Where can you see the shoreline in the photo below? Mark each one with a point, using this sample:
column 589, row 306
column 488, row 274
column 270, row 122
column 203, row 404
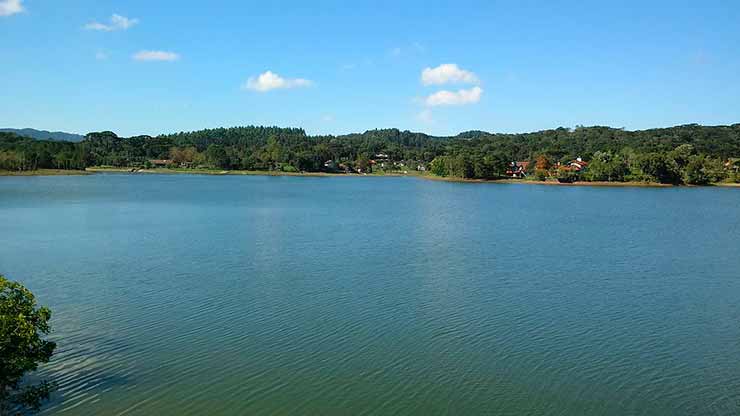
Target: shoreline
column 556, row 183
column 216, row 172
column 44, row 172
column 220, row 172
column 630, row 184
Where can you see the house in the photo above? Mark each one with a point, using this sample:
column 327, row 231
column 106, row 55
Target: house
column 517, row 169
column 578, row 165
column 161, row 163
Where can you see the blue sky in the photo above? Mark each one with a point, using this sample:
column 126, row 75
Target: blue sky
column 348, row 66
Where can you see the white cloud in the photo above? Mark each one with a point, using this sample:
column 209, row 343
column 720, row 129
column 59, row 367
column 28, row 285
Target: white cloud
column 396, row 51
column 447, row 73
column 10, row 7
column 459, row 97
column 269, row 80
column 155, row 56
column 101, row 55
column 117, row 22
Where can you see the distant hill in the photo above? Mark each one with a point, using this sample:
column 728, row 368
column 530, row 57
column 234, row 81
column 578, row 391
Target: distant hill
column 46, row 135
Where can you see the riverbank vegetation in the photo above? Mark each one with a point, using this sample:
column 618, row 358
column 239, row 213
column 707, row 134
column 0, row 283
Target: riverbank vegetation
column 42, row 172
column 23, row 327
column 690, row 154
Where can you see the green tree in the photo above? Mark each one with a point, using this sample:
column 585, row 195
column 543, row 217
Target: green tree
column 275, row 152
column 439, row 166
column 483, row 168
column 696, row 171
column 23, row 326
column 682, row 155
column 715, row 169
column 460, row 167
column 216, row 155
column 567, row 176
column 605, row 166
column 660, row 168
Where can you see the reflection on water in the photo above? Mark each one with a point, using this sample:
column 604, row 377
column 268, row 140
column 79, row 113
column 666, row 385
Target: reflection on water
column 199, row 295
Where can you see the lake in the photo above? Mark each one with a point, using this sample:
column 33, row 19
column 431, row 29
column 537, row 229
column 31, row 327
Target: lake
column 222, row 295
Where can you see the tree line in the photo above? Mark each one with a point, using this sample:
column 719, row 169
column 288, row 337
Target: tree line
column 682, row 165
column 682, row 154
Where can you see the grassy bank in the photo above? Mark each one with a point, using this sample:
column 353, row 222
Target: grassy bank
column 42, row 172
column 175, row 171
column 415, row 174
column 550, row 182
column 553, row 182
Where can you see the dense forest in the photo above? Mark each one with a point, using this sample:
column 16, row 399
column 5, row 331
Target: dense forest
column 692, row 154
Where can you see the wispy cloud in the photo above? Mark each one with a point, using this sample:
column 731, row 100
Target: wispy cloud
column 101, row 55
column 10, row 7
column 396, row 52
column 155, row 56
column 447, row 74
column 117, row 22
column 459, row 97
column 419, row 47
column 269, row 80
column 425, row 116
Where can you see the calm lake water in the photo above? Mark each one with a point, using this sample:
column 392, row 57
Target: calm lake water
column 193, row 295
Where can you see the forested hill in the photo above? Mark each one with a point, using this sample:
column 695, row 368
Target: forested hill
column 45, row 135
column 475, row 154
column 716, row 141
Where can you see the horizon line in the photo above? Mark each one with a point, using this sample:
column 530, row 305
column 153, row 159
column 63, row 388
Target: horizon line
column 377, row 129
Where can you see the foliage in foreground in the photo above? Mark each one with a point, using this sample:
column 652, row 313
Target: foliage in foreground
column 23, row 326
